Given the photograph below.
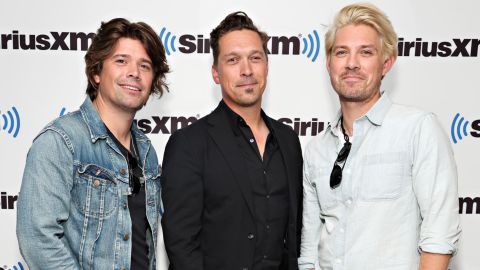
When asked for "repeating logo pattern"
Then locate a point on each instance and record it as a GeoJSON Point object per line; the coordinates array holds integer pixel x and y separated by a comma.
{"type": "Point", "coordinates": [312, 45]}
{"type": "Point", "coordinates": [19, 264]}
{"type": "Point", "coordinates": [458, 129]}
{"type": "Point", "coordinates": [62, 111]}
{"type": "Point", "coordinates": [11, 121]}
{"type": "Point", "coordinates": [285, 45]}
{"type": "Point", "coordinates": [168, 40]}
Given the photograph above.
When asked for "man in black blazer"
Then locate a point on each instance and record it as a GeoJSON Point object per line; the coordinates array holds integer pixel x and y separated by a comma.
{"type": "Point", "coordinates": [232, 181]}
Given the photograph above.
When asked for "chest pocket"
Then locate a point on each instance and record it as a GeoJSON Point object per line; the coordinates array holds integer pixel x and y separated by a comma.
{"type": "Point", "coordinates": [384, 176]}
{"type": "Point", "coordinates": [94, 191]}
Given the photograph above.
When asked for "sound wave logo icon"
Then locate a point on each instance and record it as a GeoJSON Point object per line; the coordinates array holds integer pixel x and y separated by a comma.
{"type": "Point", "coordinates": [458, 127]}
{"type": "Point", "coordinates": [312, 45]}
{"type": "Point", "coordinates": [20, 267]}
{"type": "Point", "coordinates": [11, 121]}
{"type": "Point", "coordinates": [168, 42]}
{"type": "Point", "coordinates": [62, 111]}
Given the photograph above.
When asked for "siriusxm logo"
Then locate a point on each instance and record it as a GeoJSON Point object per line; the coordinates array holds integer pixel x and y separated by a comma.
{"type": "Point", "coordinates": [70, 41]}
{"type": "Point", "coordinates": [454, 48]}
{"type": "Point", "coordinates": [468, 205]}
{"type": "Point", "coordinates": [19, 264]}
{"type": "Point", "coordinates": [11, 122]}
{"type": "Point", "coordinates": [276, 44]}
{"type": "Point", "coordinates": [169, 124]}
{"type": "Point", "coordinates": [7, 201]}
{"type": "Point", "coordinates": [459, 128]}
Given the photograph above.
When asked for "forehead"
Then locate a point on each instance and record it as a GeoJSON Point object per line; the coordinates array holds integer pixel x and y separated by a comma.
{"type": "Point", "coordinates": [356, 35]}
{"type": "Point", "coordinates": [129, 47]}
{"type": "Point", "coordinates": [240, 40]}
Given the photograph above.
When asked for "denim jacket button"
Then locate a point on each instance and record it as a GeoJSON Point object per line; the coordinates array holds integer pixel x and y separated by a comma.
{"type": "Point", "coordinates": [123, 171]}
{"type": "Point", "coordinates": [125, 237]}
{"type": "Point", "coordinates": [125, 206]}
{"type": "Point", "coordinates": [96, 183]}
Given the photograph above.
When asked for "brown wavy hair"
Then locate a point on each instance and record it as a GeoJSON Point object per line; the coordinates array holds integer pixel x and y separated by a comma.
{"type": "Point", "coordinates": [104, 41]}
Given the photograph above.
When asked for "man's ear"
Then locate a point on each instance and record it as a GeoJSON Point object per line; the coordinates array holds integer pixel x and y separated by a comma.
{"type": "Point", "coordinates": [215, 75]}
{"type": "Point", "coordinates": [387, 64]}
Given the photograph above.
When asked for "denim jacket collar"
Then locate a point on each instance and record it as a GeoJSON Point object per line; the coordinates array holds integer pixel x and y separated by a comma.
{"type": "Point", "coordinates": [96, 126]}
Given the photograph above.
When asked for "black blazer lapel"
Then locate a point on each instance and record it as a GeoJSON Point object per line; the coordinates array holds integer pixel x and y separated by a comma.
{"type": "Point", "coordinates": [223, 136]}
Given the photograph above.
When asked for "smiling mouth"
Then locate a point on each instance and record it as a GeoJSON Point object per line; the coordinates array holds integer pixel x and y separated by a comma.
{"type": "Point", "coordinates": [130, 87]}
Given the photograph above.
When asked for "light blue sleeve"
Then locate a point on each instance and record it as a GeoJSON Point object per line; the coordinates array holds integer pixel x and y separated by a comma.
{"type": "Point", "coordinates": [44, 203]}
{"type": "Point", "coordinates": [435, 184]}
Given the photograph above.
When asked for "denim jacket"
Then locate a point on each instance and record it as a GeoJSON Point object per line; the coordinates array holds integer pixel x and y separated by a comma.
{"type": "Point", "coordinates": [72, 208]}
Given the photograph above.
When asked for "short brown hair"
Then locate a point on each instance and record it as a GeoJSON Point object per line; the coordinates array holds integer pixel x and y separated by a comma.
{"type": "Point", "coordinates": [234, 21]}
{"type": "Point", "coordinates": [105, 40]}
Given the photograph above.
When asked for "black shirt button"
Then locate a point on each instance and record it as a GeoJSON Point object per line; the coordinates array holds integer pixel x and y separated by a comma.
{"type": "Point", "coordinates": [250, 236]}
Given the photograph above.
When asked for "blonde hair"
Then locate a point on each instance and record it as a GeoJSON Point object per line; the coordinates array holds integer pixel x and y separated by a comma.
{"type": "Point", "coordinates": [368, 14]}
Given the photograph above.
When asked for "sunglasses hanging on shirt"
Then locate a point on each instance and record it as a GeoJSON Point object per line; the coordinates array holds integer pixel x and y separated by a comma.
{"type": "Point", "coordinates": [336, 175]}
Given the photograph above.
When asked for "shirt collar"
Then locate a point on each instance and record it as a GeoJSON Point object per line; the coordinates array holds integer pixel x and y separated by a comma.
{"type": "Point", "coordinates": [236, 120]}
{"type": "Point", "coordinates": [379, 110]}
{"type": "Point", "coordinates": [375, 115]}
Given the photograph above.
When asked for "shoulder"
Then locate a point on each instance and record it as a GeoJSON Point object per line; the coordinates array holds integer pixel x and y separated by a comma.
{"type": "Point", "coordinates": [64, 128]}
{"type": "Point", "coordinates": [194, 130]}
{"type": "Point", "coordinates": [283, 130]}
{"type": "Point", "coordinates": [404, 113]}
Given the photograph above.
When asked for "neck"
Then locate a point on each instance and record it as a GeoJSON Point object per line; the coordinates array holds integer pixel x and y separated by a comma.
{"type": "Point", "coordinates": [117, 121]}
{"type": "Point", "coordinates": [251, 115]}
{"type": "Point", "coordinates": [352, 110]}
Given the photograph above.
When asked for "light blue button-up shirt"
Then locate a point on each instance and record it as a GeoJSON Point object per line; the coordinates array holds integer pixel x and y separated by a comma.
{"type": "Point", "coordinates": [398, 195]}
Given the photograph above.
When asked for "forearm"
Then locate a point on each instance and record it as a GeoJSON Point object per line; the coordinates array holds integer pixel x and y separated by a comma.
{"type": "Point", "coordinates": [433, 261]}
{"type": "Point", "coordinates": [40, 255]}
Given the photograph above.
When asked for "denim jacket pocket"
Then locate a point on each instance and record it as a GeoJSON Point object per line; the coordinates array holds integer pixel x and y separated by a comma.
{"type": "Point", "coordinates": [94, 191]}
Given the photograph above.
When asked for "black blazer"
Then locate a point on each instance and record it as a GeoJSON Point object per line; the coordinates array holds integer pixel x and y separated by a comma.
{"type": "Point", "coordinates": [208, 221]}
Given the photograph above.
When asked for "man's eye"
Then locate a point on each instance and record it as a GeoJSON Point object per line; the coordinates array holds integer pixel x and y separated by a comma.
{"type": "Point", "coordinates": [120, 61]}
{"type": "Point", "coordinates": [232, 60]}
{"type": "Point", "coordinates": [256, 58]}
{"type": "Point", "coordinates": [367, 52]}
{"type": "Point", "coordinates": [145, 67]}
{"type": "Point", "coordinates": [340, 53]}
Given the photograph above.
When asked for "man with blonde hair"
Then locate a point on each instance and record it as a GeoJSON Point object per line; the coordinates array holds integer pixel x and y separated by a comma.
{"type": "Point", "coordinates": [390, 201]}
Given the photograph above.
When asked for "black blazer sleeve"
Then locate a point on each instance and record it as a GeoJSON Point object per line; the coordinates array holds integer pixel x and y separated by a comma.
{"type": "Point", "coordinates": [182, 195]}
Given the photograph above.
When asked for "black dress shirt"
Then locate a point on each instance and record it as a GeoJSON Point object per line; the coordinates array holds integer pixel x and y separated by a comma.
{"type": "Point", "coordinates": [268, 179]}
